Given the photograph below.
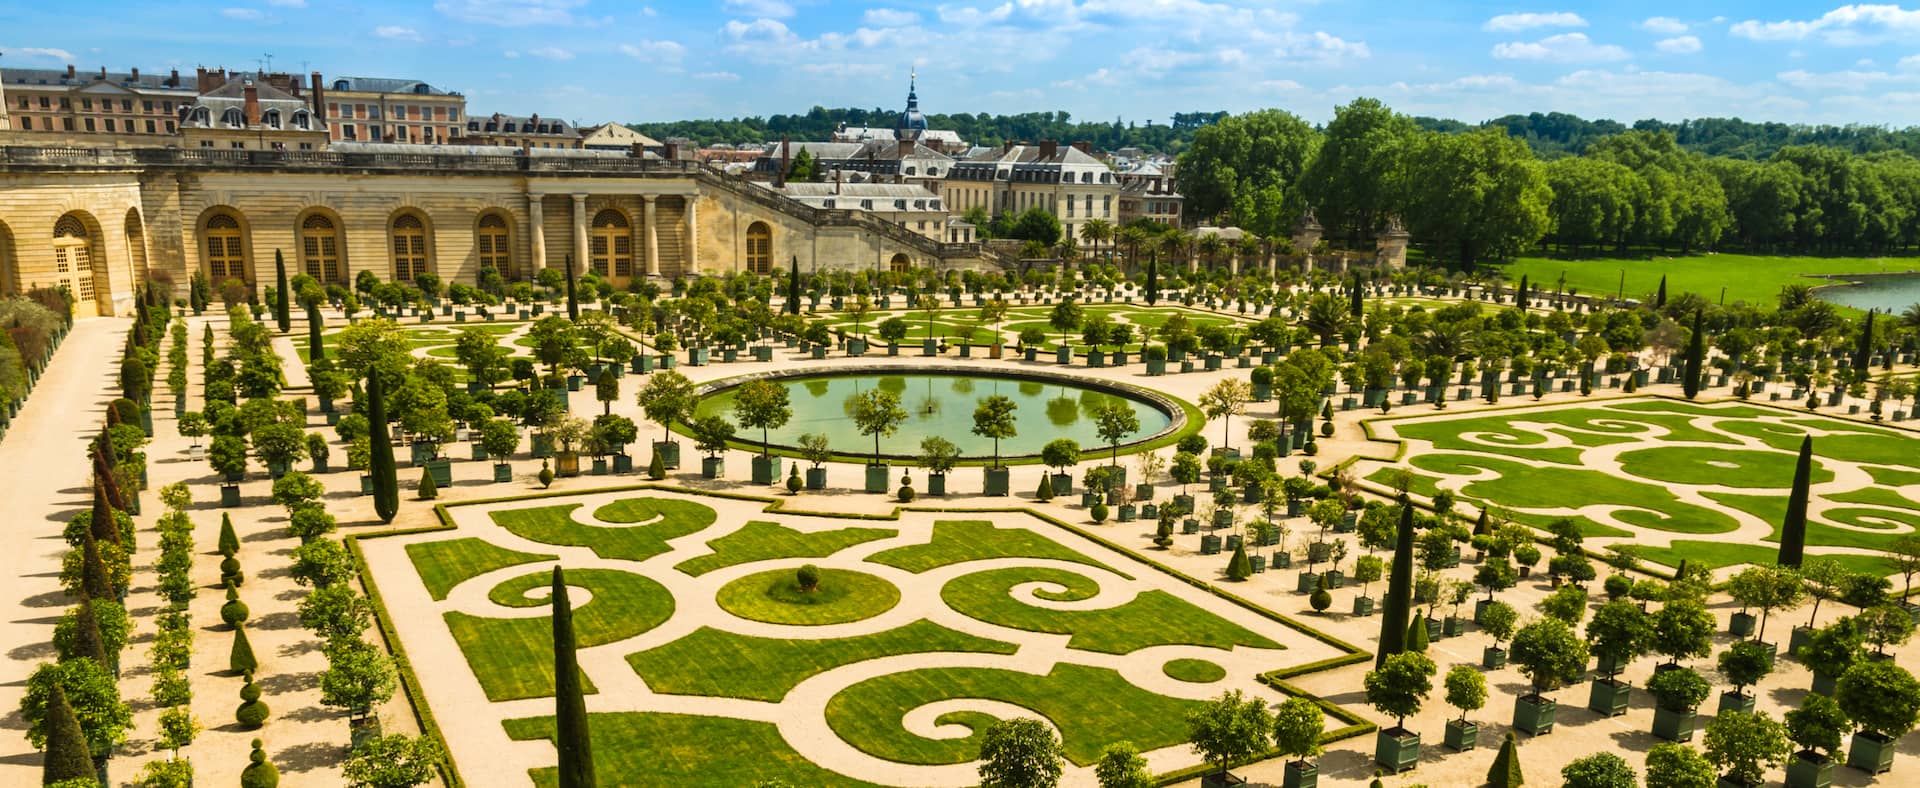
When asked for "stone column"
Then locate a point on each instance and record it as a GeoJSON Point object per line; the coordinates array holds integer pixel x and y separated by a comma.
{"type": "Point", "coordinates": [537, 230]}
{"type": "Point", "coordinates": [693, 235]}
{"type": "Point", "coordinates": [579, 233]}
{"type": "Point", "coordinates": [653, 236]}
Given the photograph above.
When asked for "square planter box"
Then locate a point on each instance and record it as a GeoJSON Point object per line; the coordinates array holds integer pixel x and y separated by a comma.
{"type": "Point", "coordinates": [1801, 636]}
{"type": "Point", "coordinates": [1808, 769]}
{"type": "Point", "coordinates": [442, 470]}
{"type": "Point", "coordinates": [623, 463]}
{"type": "Point", "coordinates": [1300, 774]}
{"type": "Point", "coordinates": [1741, 625]}
{"type": "Point", "coordinates": [1534, 714]}
{"type": "Point", "coordinates": [1306, 582]}
{"type": "Point", "coordinates": [996, 481]}
{"type": "Point", "coordinates": [229, 495]}
{"type": "Point", "coordinates": [669, 452]}
{"type": "Point", "coordinates": [1823, 684]}
{"type": "Point", "coordinates": [937, 484]}
{"type": "Point", "coordinates": [1462, 736]}
{"type": "Point", "coordinates": [1396, 750]}
{"type": "Point", "coordinates": [877, 478]}
{"type": "Point", "coordinates": [1673, 725]}
{"type": "Point", "coordinates": [1870, 753]}
{"type": "Point", "coordinates": [713, 467]}
{"type": "Point", "coordinates": [1732, 701]}
{"type": "Point", "coordinates": [766, 470]}
{"type": "Point", "coordinates": [816, 478]}
{"type": "Point", "coordinates": [1210, 545]}
{"type": "Point", "coordinates": [1453, 627]}
{"type": "Point", "coordinates": [600, 466]}
{"type": "Point", "coordinates": [1493, 658]}
{"type": "Point", "coordinates": [502, 473]}
{"type": "Point", "coordinates": [1363, 606]}
{"type": "Point", "coordinates": [1609, 698]}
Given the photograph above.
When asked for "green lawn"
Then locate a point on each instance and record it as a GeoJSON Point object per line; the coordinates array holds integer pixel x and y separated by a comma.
{"type": "Point", "coordinates": [1716, 466]}
{"type": "Point", "coordinates": [1750, 278]}
{"type": "Point", "coordinates": [683, 749]}
{"type": "Point", "coordinates": [759, 540]}
{"type": "Point", "coordinates": [1717, 554]}
{"type": "Point", "coordinates": [1198, 671]}
{"type": "Point", "coordinates": [958, 541]}
{"type": "Point", "coordinates": [555, 525]}
{"type": "Point", "coordinates": [1524, 486]}
{"type": "Point", "coordinates": [445, 564]}
{"type": "Point", "coordinates": [723, 664]}
{"type": "Point", "coordinates": [513, 657]}
{"type": "Point", "coordinates": [1092, 707]}
{"type": "Point", "coordinates": [775, 597]}
{"type": "Point", "coordinates": [1153, 618]}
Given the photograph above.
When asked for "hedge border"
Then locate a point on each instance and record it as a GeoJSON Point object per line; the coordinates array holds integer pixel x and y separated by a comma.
{"type": "Point", "coordinates": [1275, 679]}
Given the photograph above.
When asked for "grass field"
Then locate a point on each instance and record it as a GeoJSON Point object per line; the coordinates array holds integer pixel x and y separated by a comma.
{"type": "Point", "coordinates": [775, 597]}
{"type": "Point", "coordinates": [1154, 618]}
{"type": "Point", "coordinates": [1750, 278]}
{"type": "Point", "coordinates": [956, 541]}
{"type": "Point", "coordinates": [728, 665]}
{"type": "Point", "coordinates": [443, 565]}
{"type": "Point", "coordinates": [684, 749]}
{"type": "Point", "coordinates": [759, 540]}
{"type": "Point", "coordinates": [513, 657]}
{"type": "Point", "coordinates": [660, 519]}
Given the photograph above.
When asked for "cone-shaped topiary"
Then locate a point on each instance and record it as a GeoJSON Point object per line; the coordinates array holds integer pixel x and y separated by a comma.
{"type": "Point", "coordinates": [253, 711]}
{"type": "Point", "coordinates": [67, 755]}
{"type": "Point", "coordinates": [240, 659]}
{"type": "Point", "coordinates": [87, 641]}
{"type": "Point", "coordinates": [1398, 606]}
{"type": "Point", "coordinates": [261, 772]}
{"type": "Point", "coordinates": [1238, 567]}
{"type": "Point", "coordinates": [657, 467]}
{"type": "Point", "coordinates": [103, 522]}
{"type": "Point", "coordinates": [1045, 490]}
{"type": "Point", "coordinates": [1793, 530]}
{"type": "Point", "coordinates": [229, 541]}
{"type": "Point", "coordinates": [427, 489]}
{"type": "Point", "coordinates": [572, 736]}
{"type": "Point", "coordinates": [234, 612]}
{"type": "Point", "coordinates": [283, 300]}
{"type": "Point", "coordinates": [95, 581]}
{"type": "Point", "coordinates": [1506, 766]}
{"type": "Point", "coordinates": [1417, 634]}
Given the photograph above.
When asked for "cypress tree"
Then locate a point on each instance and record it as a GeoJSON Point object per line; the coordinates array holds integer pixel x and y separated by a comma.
{"type": "Point", "coordinates": [1483, 527]}
{"type": "Point", "coordinates": [283, 305]}
{"type": "Point", "coordinates": [315, 351]}
{"type": "Point", "coordinates": [386, 485]}
{"type": "Point", "coordinates": [793, 287]}
{"type": "Point", "coordinates": [573, 302]}
{"type": "Point", "coordinates": [1793, 531]}
{"type": "Point", "coordinates": [574, 740]}
{"type": "Point", "coordinates": [87, 641]}
{"type": "Point", "coordinates": [1153, 278]}
{"type": "Point", "coordinates": [1696, 355]}
{"type": "Point", "coordinates": [68, 755]}
{"type": "Point", "coordinates": [1520, 295]}
{"type": "Point", "coordinates": [1506, 766]}
{"type": "Point", "coordinates": [1358, 307]}
{"type": "Point", "coordinates": [95, 582]}
{"type": "Point", "coordinates": [1863, 352]}
{"type": "Point", "coordinates": [1660, 299]}
{"type": "Point", "coordinates": [229, 541]}
{"type": "Point", "coordinates": [1398, 607]}
{"type": "Point", "coordinates": [240, 658]}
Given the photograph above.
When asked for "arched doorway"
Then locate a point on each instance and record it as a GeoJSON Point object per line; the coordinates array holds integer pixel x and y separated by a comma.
{"type": "Point", "coordinates": [900, 264]}
{"type": "Point", "coordinates": [78, 264]}
{"type": "Point", "coordinates": [409, 247]}
{"type": "Point", "coordinates": [610, 244]}
{"type": "Point", "coordinates": [759, 248]}
{"type": "Point", "coordinates": [226, 249]}
{"type": "Point", "coordinates": [320, 249]}
{"type": "Point", "coordinates": [492, 240]}
{"type": "Point", "coordinates": [9, 264]}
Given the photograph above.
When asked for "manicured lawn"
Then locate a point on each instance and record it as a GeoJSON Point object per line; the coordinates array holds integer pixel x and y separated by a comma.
{"type": "Point", "coordinates": [759, 540]}
{"type": "Point", "coordinates": [1092, 707]}
{"type": "Point", "coordinates": [724, 664]}
{"type": "Point", "coordinates": [1716, 466]}
{"type": "Point", "coordinates": [1717, 554]}
{"type": "Point", "coordinates": [513, 657]}
{"type": "Point", "coordinates": [683, 749]}
{"type": "Point", "coordinates": [445, 564]}
{"type": "Point", "coordinates": [555, 525]}
{"type": "Point", "coordinates": [1773, 509]}
{"type": "Point", "coordinates": [1561, 487]}
{"type": "Point", "coordinates": [1198, 671]}
{"type": "Point", "coordinates": [957, 541]}
{"type": "Point", "coordinates": [1153, 618]}
{"type": "Point", "coordinates": [1754, 279]}
{"type": "Point", "coordinates": [775, 597]}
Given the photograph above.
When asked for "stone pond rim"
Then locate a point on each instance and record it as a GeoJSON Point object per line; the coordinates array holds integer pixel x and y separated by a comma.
{"type": "Point", "coordinates": [1179, 413]}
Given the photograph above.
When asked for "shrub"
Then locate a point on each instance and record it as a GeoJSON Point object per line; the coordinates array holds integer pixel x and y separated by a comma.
{"type": "Point", "coordinates": [260, 772]}
{"type": "Point", "coordinates": [252, 712]}
{"type": "Point", "coordinates": [808, 577]}
{"type": "Point", "coordinates": [240, 658]}
{"type": "Point", "coordinates": [1680, 689]}
{"type": "Point", "coordinates": [234, 612]}
{"type": "Point", "coordinates": [427, 489]}
{"type": "Point", "coordinates": [1600, 770]}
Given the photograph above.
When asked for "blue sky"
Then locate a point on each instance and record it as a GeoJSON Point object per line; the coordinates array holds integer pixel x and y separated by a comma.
{"type": "Point", "coordinates": [599, 60]}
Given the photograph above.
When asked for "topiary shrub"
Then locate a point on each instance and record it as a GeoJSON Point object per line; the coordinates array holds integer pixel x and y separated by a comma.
{"type": "Point", "coordinates": [240, 659]}
{"type": "Point", "coordinates": [229, 540]}
{"type": "Point", "coordinates": [546, 473]}
{"type": "Point", "coordinates": [252, 714]}
{"type": "Point", "coordinates": [261, 772]}
{"type": "Point", "coordinates": [1099, 512]}
{"type": "Point", "coordinates": [427, 489]}
{"type": "Point", "coordinates": [1045, 491]}
{"type": "Point", "coordinates": [230, 573]}
{"type": "Point", "coordinates": [1321, 600]}
{"type": "Point", "coordinates": [808, 577]}
{"type": "Point", "coordinates": [657, 467]}
{"type": "Point", "coordinates": [234, 612]}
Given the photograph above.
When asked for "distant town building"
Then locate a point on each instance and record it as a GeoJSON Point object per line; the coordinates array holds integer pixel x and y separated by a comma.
{"type": "Point", "coordinates": [382, 109]}
{"type": "Point", "coordinates": [1147, 192]}
{"type": "Point", "coordinates": [907, 206]}
{"type": "Point", "coordinates": [239, 113]}
{"type": "Point", "coordinates": [1065, 180]}
{"type": "Point", "coordinates": [56, 106]}
{"type": "Point", "coordinates": [516, 131]}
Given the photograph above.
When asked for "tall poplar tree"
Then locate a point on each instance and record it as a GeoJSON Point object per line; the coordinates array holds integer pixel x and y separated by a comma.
{"type": "Point", "coordinates": [283, 301]}
{"type": "Point", "coordinates": [1696, 356]}
{"type": "Point", "coordinates": [793, 286]}
{"type": "Point", "coordinates": [1399, 603]}
{"type": "Point", "coordinates": [573, 301]}
{"type": "Point", "coordinates": [1863, 350]}
{"type": "Point", "coordinates": [1153, 278]}
{"type": "Point", "coordinates": [570, 705]}
{"type": "Point", "coordinates": [386, 483]}
{"type": "Point", "coordinates": [1793, 530]}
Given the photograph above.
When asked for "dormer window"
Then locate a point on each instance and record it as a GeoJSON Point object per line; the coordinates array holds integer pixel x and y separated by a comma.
{"type": "Point", "coordinates": [341, 84]}
{"type": "Point", "coordinates": [233, 119]}
{"type": "Point", "coordinates": [422, 89]}
{"type": "Point", "coordinates": [271, 118]}
{"type": "Point", "coordinates": [302, 120]}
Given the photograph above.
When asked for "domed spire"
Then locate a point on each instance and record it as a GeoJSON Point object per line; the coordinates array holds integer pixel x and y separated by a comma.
{"type": "Point", "coordinates": [911, 121]}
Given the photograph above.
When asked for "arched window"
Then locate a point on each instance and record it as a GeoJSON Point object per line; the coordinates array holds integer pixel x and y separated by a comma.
{"type": "Point", "coordinates": [233, 119]}
{"type": "Point", "coordinates": [320, 249]}
{"type": "Point", "coordinates": [900, 264]}
{"type": "Point", "coordinates": [409, 248]}
{"type": "Point", "coordinates": [73, 256]}
{"type": "Point", "coordinates": [341, 84]}
{"type": "Point", "coordinates": [610, 244]}
{"type": "Point", "coordinates": [759, 248]}
{"type": "Point", "coordinates": [491, 237]}
{"type": "Point", "coordinates": [226, 256]}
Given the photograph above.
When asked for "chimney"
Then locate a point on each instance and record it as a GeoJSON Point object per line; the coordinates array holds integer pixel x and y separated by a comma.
{"type": "Point", "coordinates": [69, 71]}
{"type": "Point", "coordinates": [637, 151]}
{"type": "Point", "coordinates": [319, 99]}
{"type": "Point", "coordinates": [906, 148]}
{"type": "Point", "coordinates": [1007, 146]}
{"type": "Point", "coordinates": [1084, 147]}
{"type": "Point", "coordinates": [136, 75]}
{"type": "Point", "coordinates": [780, 178]}
{"type": "Point", "coordinates": [1047, 149]}
{"type": "Point", "coordinates": [103, 73]}
{"type": "Point", "coordinates": [252, 95]}
{"type": "Point", "coordinates": [836, 183]}
{"type": "Point", "coordinates": [173, 81]}
{"type": "Point", "coordinates": [672, 150]}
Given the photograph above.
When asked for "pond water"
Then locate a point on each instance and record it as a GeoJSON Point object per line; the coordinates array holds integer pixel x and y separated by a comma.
{"type": "Point", "coordinates": [943, 404]}
{"type": "Point", "coordinates": [1891, 293]}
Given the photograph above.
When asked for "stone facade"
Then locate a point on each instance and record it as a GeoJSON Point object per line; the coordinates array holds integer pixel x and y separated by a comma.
{"type": "Point", "coordinates": [336, 214]}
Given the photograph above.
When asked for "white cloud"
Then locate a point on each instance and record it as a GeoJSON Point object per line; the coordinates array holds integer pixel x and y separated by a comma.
{"type": "Point", "coordinates": [551, 53]}
{"type": "Point", "coordinates": [397, 33]}
{"type": "Point", "coordinates": [1848, 25]}
{"type": "Point", "coordinates": [655, 51]}
{"type": "Point", "coordinates": [1103, 78]}
{"type": "Point", "coordinates": [1679, 45]}
{"type": "Point", "coordinates": [1910, 61]}
{"type": "Point", "coordinates": [1562, 48]}
{"type": "Point", "coordinates": [1850, 81]}
{"type": "Point", "coordinates": [758, 31]}
{"type": "Point", "coordinates": [1664, 25]}
{"type": "Point", "coordinates": [889, 17]}
{"type": "Point", "coordinates": [511, 13]}
{"type": "Point", "coordinates": [778, 9]}
{"type": "Point", "coordinates": [38, 52]}
{"type": "Point", "coordinates": [718, 76]}
{"type": "Point", "coordinates": [1327, 48]}
{"type": "Point", "coordinates": [968, 16]}
{"type": "Point", "coordinates": [510, 55]}
{"type": "Point", "coordinates": [243, 14]}
{"type": "Point", "coordinates": [1511, 23]}
{"type": "Point", "coordinates": [288, 3]}
{"type": "Point", "coordinates": [1279, 85]}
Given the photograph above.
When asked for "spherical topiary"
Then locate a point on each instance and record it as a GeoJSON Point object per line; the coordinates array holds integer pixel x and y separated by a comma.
{"type": "Point", "coordinates": [1321, 600]}
{"type": "Point", "coordinates": [1326, 428]}
{"type": "Point", "coordinates": [234, 612]}
{"type": "Point", "coordinates": [253, 711]}
{"type": "Point", "coordinates": [793, 480]}
{"type": "Point", "coordinates": [261, 773]}
{"type": "Point", "coordinates": [1099, 512]}
{"type": "Point", "coordinates": [808, 577]}
{"type": "Point", "coordinates": [546, 473]}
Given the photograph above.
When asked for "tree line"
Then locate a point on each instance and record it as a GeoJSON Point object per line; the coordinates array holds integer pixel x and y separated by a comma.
{"type": "Point", "coordinates": [981, 128]}
{"type": "Point", "coordinates": [1480, 194]}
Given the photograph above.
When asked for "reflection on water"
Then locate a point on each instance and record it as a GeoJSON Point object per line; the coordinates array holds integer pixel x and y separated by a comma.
{"type": "Point", "coordinates": [943, 405]}
{"type": "Point", "coordinates": [1891, 293]}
